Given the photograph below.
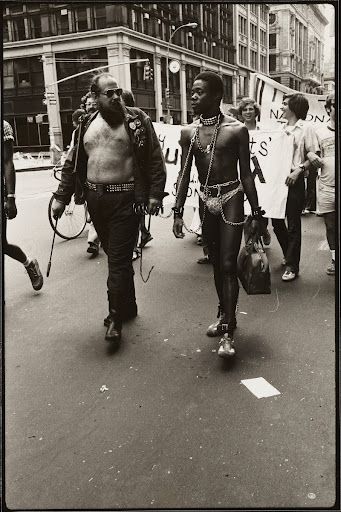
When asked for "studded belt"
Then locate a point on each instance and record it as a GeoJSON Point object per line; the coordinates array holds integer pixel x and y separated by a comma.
{"type": "Point", "coordinates": [113, 187]}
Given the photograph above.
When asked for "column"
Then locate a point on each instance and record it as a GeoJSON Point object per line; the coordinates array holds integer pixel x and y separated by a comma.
{"type": "Point", "coordinates": [183, 98]}
{"type": "Point", "coordinates": [158, 86]}
{"type": "Point", "coordinates": [125, 73]}
{"type": "Point", "coordinates": [234, 88]}
{"type": "Point", "coordinates": [53, 109]}
{"type": "Point", "coordinates": [113, 60]}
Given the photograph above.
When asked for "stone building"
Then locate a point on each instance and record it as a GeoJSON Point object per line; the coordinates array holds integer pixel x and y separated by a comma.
{"type": "Point", "coordinates": [296, 45]}
{"type": "Point", "coordinates": [46, 43]}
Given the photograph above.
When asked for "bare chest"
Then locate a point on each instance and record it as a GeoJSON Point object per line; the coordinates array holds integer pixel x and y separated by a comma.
{"type": "Point", "coordinates": [102, 137]}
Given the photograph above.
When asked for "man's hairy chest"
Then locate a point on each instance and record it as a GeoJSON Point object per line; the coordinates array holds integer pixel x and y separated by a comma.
{"type": "Point", "coordinates": [102, 137]}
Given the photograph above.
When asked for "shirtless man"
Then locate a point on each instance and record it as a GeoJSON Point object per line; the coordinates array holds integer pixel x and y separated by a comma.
{"type": "Point", "coordinates": [218, 142]}
{"type": "Point", "coordinates": [119, 167]}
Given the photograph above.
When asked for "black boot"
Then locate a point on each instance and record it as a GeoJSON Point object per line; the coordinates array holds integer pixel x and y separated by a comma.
{"type": "Point", "coordinates": [221, 326]}
{"type": "Point", "coordinates": [114, 331]}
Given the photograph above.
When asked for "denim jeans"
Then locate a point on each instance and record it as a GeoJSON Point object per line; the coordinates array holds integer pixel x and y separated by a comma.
{"type": "Point", "coordinates": [117, 226]}
{"type": "Point", "coordinates": [290, 238]}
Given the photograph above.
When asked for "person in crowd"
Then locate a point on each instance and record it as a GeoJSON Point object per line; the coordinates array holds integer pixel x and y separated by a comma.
{"type": "Point", "coordinates": [295, 108]}
{"type": "Point", "coordinates": [88, 103]}
{"type": "Point", "coordinates": [9, 211]}
{"type": "Point", "coordinates": [324, 159]}
{"type": "Point", "coordinates": [218, 143]}
{"type": "Point", "coordinates": [249, 112]}
{"type": "Point", "coordinates": [129, 100]}
{"type": "Point", "coordinates": [119, 168]}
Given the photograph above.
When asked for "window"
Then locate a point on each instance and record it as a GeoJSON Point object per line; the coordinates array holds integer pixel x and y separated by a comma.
{"type": "Point", "coordinates": [19, 29]}
{"type": "Point", "coordinates": [242, 25]}
{"type": "Point", "coordinates": [263, 64]}
{"type": "Point", "coordinates": [242, 83]}
{"type": "Point", "coordinates": [272, 41]}
{"type": "Point", "coordinates": [35, 26]}
{"type": "Point", "coordinates": [262, 37]}
{"type": "Point", "coordinates": [191, 73]}
{"type": "Point", "coordinates": [253, 32]}
{"type": "Point", "coordinates": [272, 18]}
{"type": "Point", "coordinates": [62, 20]}
{"type": "Point", "coordinates": [242, 55]}
{"type": "Point", "coordinates": [8, 74]}
{"type": "Point", "coordinates": [253, 57]}
{"type": "Point", "coordinates": [272, 63]}
{"type": "Point", "coordinates": [253, 8]}
{"type": "Point", "coordinates": [81, 19]}
{"type": "Point", "coordinates": [99, 16]}
{"type": "Point", "coordinates": [263, 12]}
{"type": "Point", "coordinates": [22, 72]}
{"type": "Point", "coordinates": [5, 31]}
{"type": "Point", "coordinates": [227, 79]}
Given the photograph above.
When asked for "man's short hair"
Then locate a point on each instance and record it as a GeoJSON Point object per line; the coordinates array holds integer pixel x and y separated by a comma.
{"type": "Point", "coordinates": [248, 101]}
{"type": "Point", "coordinates": [298, 104]}
{"type": "Point", "coordinates": [128, 98]}
{"type": "Point", "coordinates": [329, 100]}
{"type": "Point", "coordinates": [213, 80]}
{"type": "Point", "coordinates": [94, 87]}
{"type": "Point", "coordinates": [77, 114]}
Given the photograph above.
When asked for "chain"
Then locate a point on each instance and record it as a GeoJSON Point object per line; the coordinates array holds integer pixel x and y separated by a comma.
{"type": "Point", "coordinates": [209, 146]}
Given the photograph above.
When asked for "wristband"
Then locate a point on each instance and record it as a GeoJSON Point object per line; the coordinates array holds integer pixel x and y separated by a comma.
{"type": "Point", "coordinates": [257, 213]}
{"type": "Point", "coordinates": [178, 212]}
{"type": "Point", "coordinates": [11, 195]}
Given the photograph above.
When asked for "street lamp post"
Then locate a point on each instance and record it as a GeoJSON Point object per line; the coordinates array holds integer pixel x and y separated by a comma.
{"type": "Point", "coordinates": [189, 25]}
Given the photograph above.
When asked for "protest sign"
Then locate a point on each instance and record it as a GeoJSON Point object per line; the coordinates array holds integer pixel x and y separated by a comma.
{"type": "Point", "coordinates": [271, 153]}
{"type": "Point", "coordinates": [269, 95]}
{"type": "Point", "coordinates": [169, 137]}
{"type": "Point", "coordinates": [273, 150]}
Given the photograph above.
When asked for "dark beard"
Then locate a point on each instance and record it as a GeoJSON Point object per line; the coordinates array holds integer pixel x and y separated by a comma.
{"type": "Point", "coordinates": [113, 118]}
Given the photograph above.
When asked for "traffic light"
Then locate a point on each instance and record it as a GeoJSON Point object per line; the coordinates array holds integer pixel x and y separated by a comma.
{"type": "Point", "coordinates": [148, 73]}
{"type": "Point", "coordinates": [167, 94]}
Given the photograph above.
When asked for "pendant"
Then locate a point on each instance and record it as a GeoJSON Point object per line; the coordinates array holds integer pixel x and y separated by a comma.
{"type": "Point", "coordinates": [208, 148]}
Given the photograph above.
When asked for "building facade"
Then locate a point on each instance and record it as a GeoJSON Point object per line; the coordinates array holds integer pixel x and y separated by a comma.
{"type": "Point", "coordinates": [47, 43]}
{"type": "Point", "coordinates": [296, 46]}
{"type": "Point", "coordinates": [329, 53]}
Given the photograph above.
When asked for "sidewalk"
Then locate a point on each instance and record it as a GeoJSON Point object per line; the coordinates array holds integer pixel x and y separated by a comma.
{"type": "Point", "coordinates": [32, 161]}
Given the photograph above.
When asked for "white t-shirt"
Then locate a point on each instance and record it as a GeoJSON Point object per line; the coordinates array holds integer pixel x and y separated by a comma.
{"type": "Point", "coordinates": [326, 139]}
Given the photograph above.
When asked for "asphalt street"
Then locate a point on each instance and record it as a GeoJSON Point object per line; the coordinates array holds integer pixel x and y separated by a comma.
{"type": "Point", "coordinates": [164, 422]}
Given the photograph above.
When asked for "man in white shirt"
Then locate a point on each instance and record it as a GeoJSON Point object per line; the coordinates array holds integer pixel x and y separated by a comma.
{"type": "Point", "coordinates": [295, 108]}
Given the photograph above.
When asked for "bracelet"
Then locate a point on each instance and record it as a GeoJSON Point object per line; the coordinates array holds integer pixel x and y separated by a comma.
{"type": "Point", "coordinates": [11, 195]}
{"type": "Point", "coordinates": [178, 212]}
{"type": "Point", "coordinates": [257, 213]}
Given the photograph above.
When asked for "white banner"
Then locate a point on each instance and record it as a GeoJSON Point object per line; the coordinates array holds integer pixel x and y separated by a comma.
{"type": "Point", "coordinates": [169, 137]}
{"type": "Point", "coordinates": [273, 150]}
{"type": "Point", "coordinates": [269, 95]}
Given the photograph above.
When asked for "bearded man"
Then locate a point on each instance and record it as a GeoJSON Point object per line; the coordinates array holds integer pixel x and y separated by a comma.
{"type": "Point", "coordinates": [118, 166]}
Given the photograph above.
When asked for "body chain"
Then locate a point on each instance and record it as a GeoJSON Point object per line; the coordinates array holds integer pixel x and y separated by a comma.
{"type": "Point", "coordinates": [206, 189]}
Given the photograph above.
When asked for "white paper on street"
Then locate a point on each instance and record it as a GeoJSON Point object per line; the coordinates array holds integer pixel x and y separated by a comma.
{"type": "Point", "coordinates": [260, 387]}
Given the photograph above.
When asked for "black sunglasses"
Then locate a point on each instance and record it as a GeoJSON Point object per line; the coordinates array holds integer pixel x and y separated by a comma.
{"type": "Point", "coordinates": [110, 92]}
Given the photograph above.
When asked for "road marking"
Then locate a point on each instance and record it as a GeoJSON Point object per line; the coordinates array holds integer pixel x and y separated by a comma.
{"type": "Point", "coordinates": [323, 246]}
{"type": "Point", "coordinates": [260, 387]}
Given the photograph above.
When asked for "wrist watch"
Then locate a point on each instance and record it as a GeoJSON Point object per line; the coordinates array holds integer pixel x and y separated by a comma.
{"type": "Point", "coordinates": [302, 166]}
